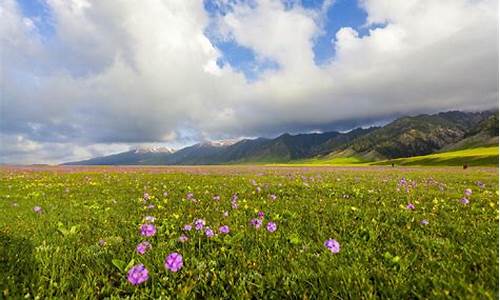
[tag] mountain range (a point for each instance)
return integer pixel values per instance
(405, 137)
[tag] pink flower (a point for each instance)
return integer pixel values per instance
(148, 230)
(143, 247)
(271, 227)
(174, 262)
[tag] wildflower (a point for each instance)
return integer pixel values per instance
(102, 243)
(137, 274)
(173, 262)
(224, 229)
(271, 227)
(468, 192)
(143, 247)
(410, 206)
(464, 201)
(146, 197)
(480, 184)
(199, 224)
(165, 194)
(150, 206)
(273, 197)
(424, 222)
(189, 196)
(216, 197)
(15, 204)
(149, 219)
(234, 205)
(256, 223)
(187, 227)
(261, 215)
(209, 232)
(37, 209)
(258, 189)
(332, 245)
(225, 214)
(183, 238)
(148, 230)
(234, 201)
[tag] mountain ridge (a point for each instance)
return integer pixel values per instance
(404, 137)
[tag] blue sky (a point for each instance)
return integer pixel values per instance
(65, 64)
(343, 13)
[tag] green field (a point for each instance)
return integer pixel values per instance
(483, 156)
(83, 242)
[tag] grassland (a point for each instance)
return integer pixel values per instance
(82, 242)
(482, 156)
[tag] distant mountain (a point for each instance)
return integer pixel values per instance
(404, 137)
(418, 135)
(138, 156)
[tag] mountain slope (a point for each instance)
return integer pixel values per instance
(404, 137)
(419, 135)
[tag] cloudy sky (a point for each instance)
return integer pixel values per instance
(81, 78)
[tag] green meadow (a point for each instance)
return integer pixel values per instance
(404, 233)
(482, 156)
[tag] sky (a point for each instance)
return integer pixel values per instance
(83, 78)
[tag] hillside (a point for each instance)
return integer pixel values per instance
(405, 137)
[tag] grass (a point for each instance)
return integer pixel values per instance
(385, 251)
(483, 156)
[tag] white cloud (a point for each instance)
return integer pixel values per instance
(134, 72)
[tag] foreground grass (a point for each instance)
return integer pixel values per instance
(385, 251)
(483, 156)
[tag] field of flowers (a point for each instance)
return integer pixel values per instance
(249, 232)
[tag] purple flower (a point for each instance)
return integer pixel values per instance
(183, 238)
(234, 197)
(150, 206)
(234, 201)
(148, 230)
(146, 196)
(209, 232)
(187, 227)
(173, 262)
(149, 219)
(256, 223)
(424, 222)
(464, 201)
(199, 224)
(271, 227)
(225, 214)
(468, 192)
(102, 243)
(234, 205)
(216, 197)
(258, 189)
(261, 215)
(38, 209)
(480, 184)
(273, 197)
(224, 229)
(189, 196)
(332, 245)
(143, 247)
(410, 206)
(137, 274)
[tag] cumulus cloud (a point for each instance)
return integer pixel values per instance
(115, 74)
